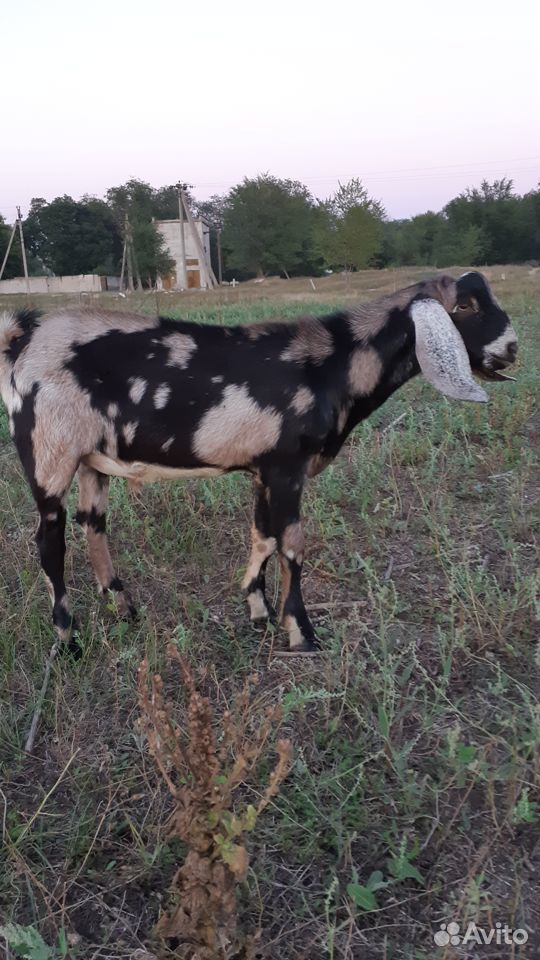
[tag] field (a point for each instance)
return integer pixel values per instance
(413, 796)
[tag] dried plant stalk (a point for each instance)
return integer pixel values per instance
(203, 779)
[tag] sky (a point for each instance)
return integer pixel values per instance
(418, 99)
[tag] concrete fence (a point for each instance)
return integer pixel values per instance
(85, 283)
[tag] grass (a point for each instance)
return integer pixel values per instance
(413, 798)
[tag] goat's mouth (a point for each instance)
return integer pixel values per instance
(492, 368)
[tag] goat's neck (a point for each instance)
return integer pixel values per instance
(394, 347)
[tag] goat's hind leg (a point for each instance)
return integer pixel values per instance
(91, 515)
(51, 542)
(263, 546)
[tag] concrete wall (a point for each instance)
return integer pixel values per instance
(85, 283)
(170, 231)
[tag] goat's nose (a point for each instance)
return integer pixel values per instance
(512, 350)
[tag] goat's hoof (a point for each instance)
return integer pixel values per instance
(308, 646)
(70, 643)
(259, 608)
(126, 608)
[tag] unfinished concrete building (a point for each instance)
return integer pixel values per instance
(196, 274)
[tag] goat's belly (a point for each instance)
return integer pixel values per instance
(145, 472)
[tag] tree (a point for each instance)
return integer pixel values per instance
(72, 237)
(142, 204)
(354, 194)
(151, 253)
(267, 225)
(348, 228)
(358, 238)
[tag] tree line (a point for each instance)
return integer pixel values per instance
(274, 226)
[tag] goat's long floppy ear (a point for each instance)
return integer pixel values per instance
(441, 353)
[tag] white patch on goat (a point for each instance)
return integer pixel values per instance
(112, 411)
(261, 549)
(58, 334)
(296, 637)
(137, 389)
(364, 371)
(181, 347)
(499, 346)
(129, 430)
(167, 445)
(236, 430)
(257, 607)
(217, 379)
(303, 400)
(161, 396)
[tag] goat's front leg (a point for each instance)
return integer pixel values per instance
(263, 545)
(286, 525)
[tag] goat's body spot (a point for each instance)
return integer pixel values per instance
(161, 396)
(128, 432)
(303, 400)
(181, 347)
(236, 430)
(365, 371)
(112, 411)
(312, 342)
(168, 444)
(137, 389)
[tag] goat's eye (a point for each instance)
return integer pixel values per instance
(463, 306)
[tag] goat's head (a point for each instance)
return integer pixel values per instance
(484, 326)
(461, 329)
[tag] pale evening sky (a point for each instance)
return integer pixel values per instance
(419, 99)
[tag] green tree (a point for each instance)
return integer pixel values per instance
(152, 255)
(72, 237)
(348, 228)
(354, 194)
(142, 204)
(358, 238)
(267, 226)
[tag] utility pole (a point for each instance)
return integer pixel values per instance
(183, 279)
(129, 258)
(6, 255)
(206, 268)
(23, 250)
(124, 254)
(219, 257)
(17, 225)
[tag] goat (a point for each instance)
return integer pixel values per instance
(115, 394)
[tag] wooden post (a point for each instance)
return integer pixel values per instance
(129, 256)
(122, 271)
(208, 272)
(23, 250)
(219, 257)
(6, 255)
(135, 263)
(183, 278)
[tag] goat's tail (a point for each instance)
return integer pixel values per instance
(9, 328)
(13, 324)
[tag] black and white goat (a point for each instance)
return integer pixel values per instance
(112, 394)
